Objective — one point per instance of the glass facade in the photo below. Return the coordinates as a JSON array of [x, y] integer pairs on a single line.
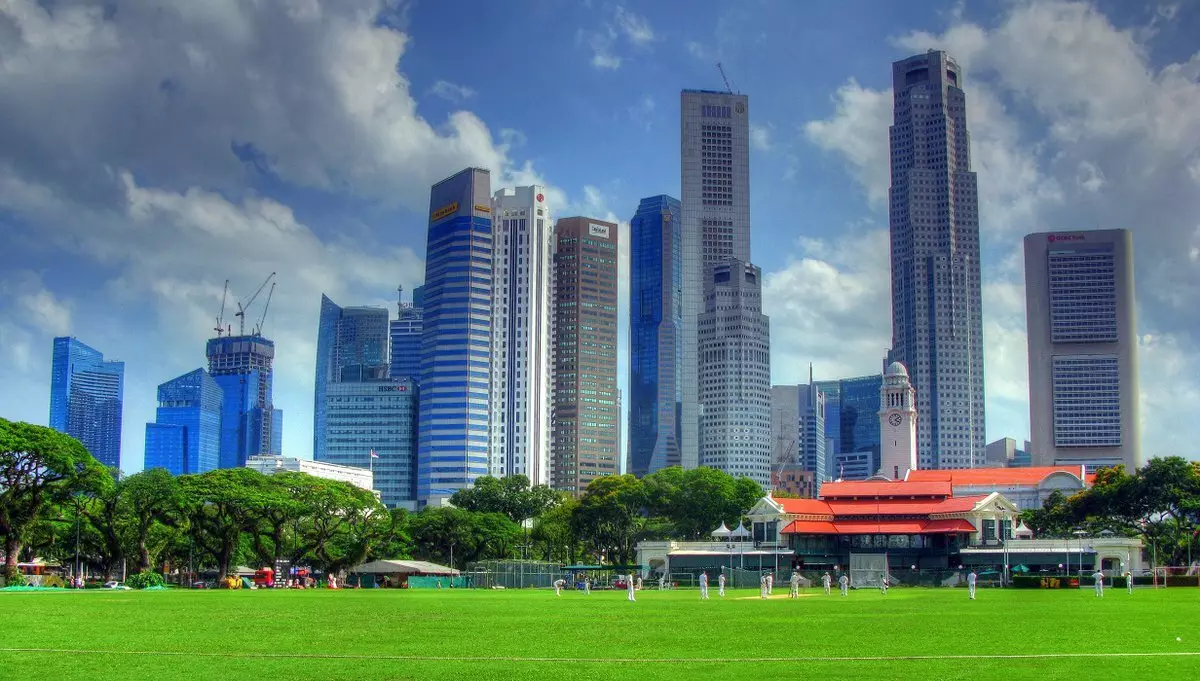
[[1083, 294], [352, 345], [813, 456], [859, 414], [406, 339], [379, 416], [832, 390], [86, 398], [456, 337], [250, 425], [937, 317], [186, 435], [655, 331], [1087, 401]]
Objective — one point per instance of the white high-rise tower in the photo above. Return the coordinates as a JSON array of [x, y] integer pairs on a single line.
[[522, 334], [897, 424], [715, 181], [937, 322]]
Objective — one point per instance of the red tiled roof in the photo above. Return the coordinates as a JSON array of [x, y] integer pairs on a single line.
[[844, 507], [804, 506], [944, 526], [809, 527], [959, 504], [880, 488], [995, 476], [880, 527]]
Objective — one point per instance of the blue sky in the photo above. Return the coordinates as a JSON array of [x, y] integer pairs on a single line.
[[149, 154]]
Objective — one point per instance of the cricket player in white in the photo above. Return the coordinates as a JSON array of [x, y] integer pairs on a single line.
[[639, 582], [971, 579], [795, 582], [704, 586], [844, 583], [587, 586], [721, 585], [1129, 581], [1099, 577], [762, 586], [629, 585], [770, 583], [558, 585], [826, 581], [662, 582], [883, 584]]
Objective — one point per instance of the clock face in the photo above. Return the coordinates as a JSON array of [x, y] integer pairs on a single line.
[[895, 419]]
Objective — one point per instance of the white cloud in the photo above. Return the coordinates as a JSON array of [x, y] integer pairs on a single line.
[[858, 131], [451, 92], [760, 136], [1089, 177], [642, 113], [636, 28], [697, 50]]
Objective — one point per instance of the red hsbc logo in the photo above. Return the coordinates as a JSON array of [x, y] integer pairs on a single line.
[[1055, 238], [540, 198]]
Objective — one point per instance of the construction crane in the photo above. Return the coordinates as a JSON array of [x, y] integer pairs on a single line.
[[220, 328], [784, 460], [241, 313], [263, 317], [725, 78]]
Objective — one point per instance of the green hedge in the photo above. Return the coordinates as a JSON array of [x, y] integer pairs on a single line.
[[143, 580]]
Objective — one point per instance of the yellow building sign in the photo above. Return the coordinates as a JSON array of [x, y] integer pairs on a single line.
[[442, 212], [480, 208]]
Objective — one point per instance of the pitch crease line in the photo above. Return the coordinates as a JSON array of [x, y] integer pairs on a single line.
[[596, 660]]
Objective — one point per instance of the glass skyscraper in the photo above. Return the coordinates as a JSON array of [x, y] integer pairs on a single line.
[[456, 337], [250, 424], [86, 398], [406, 338], [379, 416], [352, 346], [937, 321], [655, 331], [186, 434], [858, 451]]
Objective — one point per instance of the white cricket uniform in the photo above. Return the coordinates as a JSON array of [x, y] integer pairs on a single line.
[[1129, 581], [587, 586], [826, 581], [558, 585], [971, 578], [770, 584], [704, 586], [795, 581], [762, 587], [1099, 577], [721, 585], [629, 585], [844, 582]]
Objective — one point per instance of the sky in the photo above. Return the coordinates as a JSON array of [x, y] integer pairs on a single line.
[[151, 150]]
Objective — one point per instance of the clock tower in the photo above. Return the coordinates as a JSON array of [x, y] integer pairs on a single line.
[[897, 424]]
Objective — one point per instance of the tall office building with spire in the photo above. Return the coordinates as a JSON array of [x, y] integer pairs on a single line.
[[937, 323], [715, 183]]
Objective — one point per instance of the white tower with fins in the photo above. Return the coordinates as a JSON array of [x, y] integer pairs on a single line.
[[897, 424]]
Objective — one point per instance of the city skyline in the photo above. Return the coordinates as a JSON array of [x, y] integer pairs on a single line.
[[131, 259]]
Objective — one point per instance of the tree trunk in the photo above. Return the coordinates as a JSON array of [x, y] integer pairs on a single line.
[[12, 547], [143, 556]]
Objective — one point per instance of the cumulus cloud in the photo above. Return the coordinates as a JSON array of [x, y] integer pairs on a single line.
[[858, 131], [760, 136], [452, 92], [636, 28], [604, 42]]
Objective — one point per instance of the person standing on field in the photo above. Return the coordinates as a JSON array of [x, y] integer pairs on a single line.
[[826, 581], [844, 583], [629, 587], [762, 586], [1099, 578], [770, 583], [587, 586], [883, 584], [558, 585], [1129, 581], [795, 584], [721, 584], [662, 581], [704, 586], [971, 579]]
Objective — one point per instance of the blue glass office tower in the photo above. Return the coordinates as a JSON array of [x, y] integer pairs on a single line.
[[352, 346], [406, 338], [250, 424], [858, 455], [379, 416], [655, 328], [186, 434], [456, 336], [86, 397]]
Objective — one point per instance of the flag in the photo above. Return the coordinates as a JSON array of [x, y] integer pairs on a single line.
[[374, 455]]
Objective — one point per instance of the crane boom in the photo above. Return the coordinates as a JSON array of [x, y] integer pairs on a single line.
[[263, 317], [724, 78], [241, 313], [220, 328]]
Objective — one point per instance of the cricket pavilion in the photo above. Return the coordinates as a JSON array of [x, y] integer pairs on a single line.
[[944, 523]]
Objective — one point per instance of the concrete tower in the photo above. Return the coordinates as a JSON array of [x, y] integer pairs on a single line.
[[897, 424]]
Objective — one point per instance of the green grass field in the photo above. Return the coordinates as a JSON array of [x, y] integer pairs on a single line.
[[460, 634]]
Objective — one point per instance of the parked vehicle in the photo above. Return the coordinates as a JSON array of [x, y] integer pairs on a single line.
[[117, 586]]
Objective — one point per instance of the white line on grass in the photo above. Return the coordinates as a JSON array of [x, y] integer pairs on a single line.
[[590, 660]]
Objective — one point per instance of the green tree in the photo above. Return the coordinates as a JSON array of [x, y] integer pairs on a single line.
[[696, 501], [511, 495], [220, 506], [150, 498], [39, 466], [606, 519], [1055, 519], [553, 534], [344, 521], [455, 536]]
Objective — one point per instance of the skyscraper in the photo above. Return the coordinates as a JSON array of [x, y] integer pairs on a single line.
[[406, 338], [587, 411], [185, 437], [937, 325], [377, 416], [656, 336], [523, 330], [797, 423], [352, 346], [250, 423], [456, 337], [832, 390], [1082, 334], [858, 402], [898, 421], [735, 373], [715, 179], [86, 398]]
